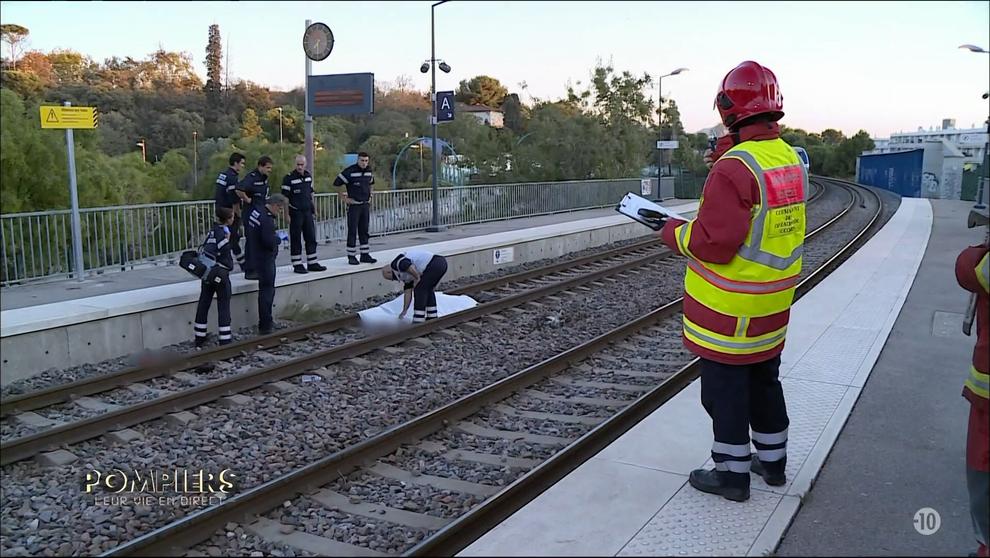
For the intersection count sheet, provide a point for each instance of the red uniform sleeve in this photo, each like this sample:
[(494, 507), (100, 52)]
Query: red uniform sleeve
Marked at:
[(966, 268), (725, 214), (667, 234)]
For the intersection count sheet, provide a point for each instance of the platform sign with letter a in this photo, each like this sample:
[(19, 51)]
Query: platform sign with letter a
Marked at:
[(54, 116), (445, 106)]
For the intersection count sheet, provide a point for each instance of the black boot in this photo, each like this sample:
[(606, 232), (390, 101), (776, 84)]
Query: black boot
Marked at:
[(251, 275), (352, 260), (299, 268), (717, 482), (201, 342), (772, 472), (317, 267), (366, 258)]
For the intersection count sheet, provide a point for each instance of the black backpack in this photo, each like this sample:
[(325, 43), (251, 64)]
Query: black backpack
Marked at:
[(199, 263)]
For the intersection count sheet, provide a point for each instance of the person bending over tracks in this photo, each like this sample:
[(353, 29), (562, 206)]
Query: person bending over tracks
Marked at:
[(420, 271)]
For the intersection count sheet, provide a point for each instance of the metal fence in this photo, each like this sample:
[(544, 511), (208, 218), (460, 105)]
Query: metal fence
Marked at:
[(38, 245)]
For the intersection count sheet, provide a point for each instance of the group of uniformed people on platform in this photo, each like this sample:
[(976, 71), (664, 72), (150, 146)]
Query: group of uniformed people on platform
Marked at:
[(247, 201)]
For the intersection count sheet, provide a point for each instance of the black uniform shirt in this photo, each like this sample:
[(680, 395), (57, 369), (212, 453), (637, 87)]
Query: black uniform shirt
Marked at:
[(226, 184), (299, 189), (358, 182), (261, 234), (218, 245), (256, 186)]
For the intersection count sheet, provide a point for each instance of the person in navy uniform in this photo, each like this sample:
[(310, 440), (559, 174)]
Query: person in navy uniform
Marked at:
[(226, 196), (298, 187), (420, 272), (216, 282), (253, 191), (357, 197), (264, 241)]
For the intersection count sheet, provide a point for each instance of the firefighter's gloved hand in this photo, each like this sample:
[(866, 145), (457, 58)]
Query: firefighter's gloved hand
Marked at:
[(654, 219), (282, 236)]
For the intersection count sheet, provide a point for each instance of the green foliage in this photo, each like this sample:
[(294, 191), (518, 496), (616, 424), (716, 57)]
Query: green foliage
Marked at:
[(250, 128), (13, 35), (605, 129), (481, 90), (214, 65)]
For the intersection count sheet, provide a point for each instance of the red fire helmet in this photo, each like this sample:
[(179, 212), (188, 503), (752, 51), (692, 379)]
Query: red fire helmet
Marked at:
[(747, 90)]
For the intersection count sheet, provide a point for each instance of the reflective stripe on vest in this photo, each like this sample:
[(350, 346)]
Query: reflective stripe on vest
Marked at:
[(977, 382), (983, 272), (761, 277)]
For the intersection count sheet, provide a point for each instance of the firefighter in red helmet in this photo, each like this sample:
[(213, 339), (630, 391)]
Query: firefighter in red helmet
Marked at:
[(743, 256)]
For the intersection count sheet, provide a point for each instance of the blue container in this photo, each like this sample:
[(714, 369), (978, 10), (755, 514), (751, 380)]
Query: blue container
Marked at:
[(898, 172)]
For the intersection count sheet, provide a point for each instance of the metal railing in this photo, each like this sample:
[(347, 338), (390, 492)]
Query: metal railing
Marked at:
[(38, 245)]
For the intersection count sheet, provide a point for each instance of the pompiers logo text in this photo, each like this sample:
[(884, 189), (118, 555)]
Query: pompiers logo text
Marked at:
[(177, 482)]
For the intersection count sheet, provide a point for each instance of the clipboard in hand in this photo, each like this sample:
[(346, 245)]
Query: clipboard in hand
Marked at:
[(646, 212)]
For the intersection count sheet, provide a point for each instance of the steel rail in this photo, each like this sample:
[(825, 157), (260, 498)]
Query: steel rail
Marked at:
[(177, 536)]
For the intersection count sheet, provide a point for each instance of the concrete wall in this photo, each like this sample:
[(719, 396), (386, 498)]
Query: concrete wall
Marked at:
[(150, 327)]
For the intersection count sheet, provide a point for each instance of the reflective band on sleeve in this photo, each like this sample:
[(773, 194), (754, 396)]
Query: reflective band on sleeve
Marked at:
[(977, 382), (983, 272)]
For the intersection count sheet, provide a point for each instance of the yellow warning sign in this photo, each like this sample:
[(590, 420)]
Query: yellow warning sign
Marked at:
[(54, 116)]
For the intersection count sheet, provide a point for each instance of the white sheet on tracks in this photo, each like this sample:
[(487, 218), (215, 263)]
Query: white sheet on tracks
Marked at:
[(388, 314)]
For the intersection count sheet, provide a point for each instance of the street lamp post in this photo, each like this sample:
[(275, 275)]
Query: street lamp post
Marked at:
[(985, 167), (660, 120), (280, 154), (419, 148), (195, 159), (435, 227)]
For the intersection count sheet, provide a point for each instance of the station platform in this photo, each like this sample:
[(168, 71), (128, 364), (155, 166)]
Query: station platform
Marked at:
[(876, 340), (68, 323)]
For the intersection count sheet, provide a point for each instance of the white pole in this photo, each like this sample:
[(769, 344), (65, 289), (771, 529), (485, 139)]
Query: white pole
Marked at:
[(74, 195), (308, 119)]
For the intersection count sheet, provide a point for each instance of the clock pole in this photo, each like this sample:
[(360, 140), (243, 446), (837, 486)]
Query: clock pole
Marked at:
[(308, 119)]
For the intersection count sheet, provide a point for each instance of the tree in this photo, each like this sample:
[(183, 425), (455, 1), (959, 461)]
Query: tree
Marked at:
[(69, 66), (515, 113), (832, 137), (13, 35), (172, 70), (214, 58), (481, 90), (250, 128)]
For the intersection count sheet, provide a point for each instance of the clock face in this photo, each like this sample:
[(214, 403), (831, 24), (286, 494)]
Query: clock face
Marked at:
[(318, 41)]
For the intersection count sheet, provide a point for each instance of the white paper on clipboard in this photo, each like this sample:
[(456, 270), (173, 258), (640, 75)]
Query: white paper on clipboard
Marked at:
[(631, 204)]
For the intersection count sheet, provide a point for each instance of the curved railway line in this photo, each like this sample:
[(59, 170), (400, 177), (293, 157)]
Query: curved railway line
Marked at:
[(535, 425)]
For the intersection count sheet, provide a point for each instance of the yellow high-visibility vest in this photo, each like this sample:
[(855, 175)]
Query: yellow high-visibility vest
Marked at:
[(979, 382), (761, 277)]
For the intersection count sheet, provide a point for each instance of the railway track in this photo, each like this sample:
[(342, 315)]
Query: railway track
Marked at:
[(503, 293), (594, 391)]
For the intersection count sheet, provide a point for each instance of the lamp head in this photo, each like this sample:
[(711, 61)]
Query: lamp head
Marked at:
[(445, 67), (425, 67), (678, 70)]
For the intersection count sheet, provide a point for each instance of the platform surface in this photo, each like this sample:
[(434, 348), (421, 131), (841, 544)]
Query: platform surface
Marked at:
[(633, 497), (34, 307)]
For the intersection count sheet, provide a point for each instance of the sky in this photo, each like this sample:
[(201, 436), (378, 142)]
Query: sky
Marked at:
[(878, 66)]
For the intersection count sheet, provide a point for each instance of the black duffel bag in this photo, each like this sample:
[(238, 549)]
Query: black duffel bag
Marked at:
[(191, 262)]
